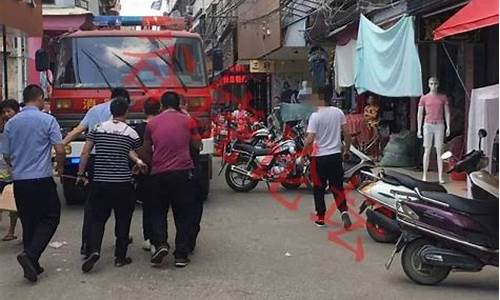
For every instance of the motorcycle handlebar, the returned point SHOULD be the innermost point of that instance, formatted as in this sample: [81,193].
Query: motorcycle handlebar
[469,163]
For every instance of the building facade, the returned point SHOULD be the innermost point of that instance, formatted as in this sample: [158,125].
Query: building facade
[18,20]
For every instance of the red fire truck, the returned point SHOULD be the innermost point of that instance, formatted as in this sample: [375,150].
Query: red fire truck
[121,52]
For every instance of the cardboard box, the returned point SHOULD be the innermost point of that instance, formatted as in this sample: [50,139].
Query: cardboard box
[7,201]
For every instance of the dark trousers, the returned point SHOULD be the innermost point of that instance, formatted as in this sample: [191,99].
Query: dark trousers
[39,211]
[173,189]
[325,170]
[87,209]
[106,197]
[144,192]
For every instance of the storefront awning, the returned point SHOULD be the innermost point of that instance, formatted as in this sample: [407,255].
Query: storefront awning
[475,15]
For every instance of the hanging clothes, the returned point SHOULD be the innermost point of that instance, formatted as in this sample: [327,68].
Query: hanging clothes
[343,65]
[318,65]
[387,61]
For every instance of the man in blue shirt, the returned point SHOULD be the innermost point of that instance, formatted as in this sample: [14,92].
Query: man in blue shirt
[30,136]
[96,115]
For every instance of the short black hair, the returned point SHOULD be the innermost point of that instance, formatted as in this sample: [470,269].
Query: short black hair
[119,106]
[322,93]
[151,108]
[32,92]
[120,92]
[10,103]
[171,100]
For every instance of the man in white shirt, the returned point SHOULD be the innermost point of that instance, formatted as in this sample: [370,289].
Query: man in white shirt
[325,130]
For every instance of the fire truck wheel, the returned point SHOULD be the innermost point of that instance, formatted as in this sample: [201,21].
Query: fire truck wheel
[72,193]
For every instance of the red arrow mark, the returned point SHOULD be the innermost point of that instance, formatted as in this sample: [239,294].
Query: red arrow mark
[357,250]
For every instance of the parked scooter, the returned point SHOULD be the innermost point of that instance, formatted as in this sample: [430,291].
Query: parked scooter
[380,201]
[443,232]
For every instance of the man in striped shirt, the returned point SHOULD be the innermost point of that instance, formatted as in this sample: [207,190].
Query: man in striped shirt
[112,189]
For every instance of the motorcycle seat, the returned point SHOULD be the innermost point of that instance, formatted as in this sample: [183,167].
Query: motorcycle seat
[250,148]
[471,206]
[393,177]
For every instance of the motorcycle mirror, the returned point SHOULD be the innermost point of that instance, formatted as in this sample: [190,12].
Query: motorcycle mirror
[446,155]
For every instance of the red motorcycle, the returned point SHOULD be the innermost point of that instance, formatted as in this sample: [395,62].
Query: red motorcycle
[277,161]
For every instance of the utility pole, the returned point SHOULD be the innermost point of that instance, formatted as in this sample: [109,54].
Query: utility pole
[4,55]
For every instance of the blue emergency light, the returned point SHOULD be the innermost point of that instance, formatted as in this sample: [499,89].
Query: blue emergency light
[164,21]
[117,21]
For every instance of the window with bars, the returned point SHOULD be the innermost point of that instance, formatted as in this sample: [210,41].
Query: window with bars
[82,3]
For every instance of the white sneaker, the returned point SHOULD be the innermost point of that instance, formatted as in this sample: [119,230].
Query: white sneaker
[146,246]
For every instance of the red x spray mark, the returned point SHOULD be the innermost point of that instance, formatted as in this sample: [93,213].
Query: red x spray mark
[292,204]
[334,236]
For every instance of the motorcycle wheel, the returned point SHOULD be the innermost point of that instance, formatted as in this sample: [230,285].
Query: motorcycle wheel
[237,182]
[380,234]
[416,270]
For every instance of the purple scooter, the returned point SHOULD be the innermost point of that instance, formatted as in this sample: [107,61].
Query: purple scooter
[443,232]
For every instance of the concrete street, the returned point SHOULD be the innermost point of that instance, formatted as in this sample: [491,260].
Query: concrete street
[250,247]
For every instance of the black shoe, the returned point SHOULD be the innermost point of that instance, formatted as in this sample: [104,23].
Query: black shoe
[120,262]
[89,263]
[346,220]
[160,253]
[182,262]
[29,269]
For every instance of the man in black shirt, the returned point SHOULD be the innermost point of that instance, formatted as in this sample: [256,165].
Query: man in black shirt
[144,189]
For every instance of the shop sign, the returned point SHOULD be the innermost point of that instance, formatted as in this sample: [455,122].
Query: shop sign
[260,66]
[233,79]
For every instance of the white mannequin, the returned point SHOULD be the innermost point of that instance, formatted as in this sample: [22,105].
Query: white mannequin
[304,92]
[433,126]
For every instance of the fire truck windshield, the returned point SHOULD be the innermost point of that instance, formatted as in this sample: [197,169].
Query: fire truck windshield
[130,61]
